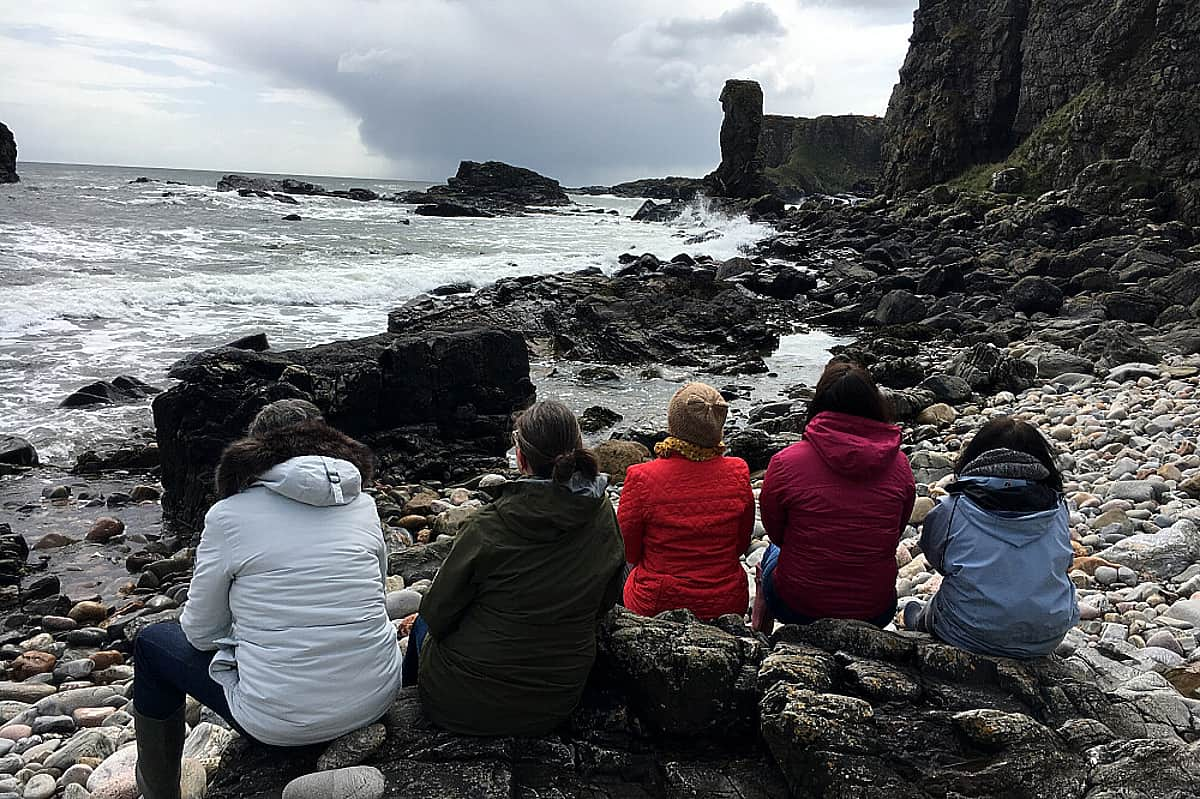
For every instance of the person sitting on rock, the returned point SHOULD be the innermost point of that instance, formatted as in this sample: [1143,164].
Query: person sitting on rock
[835,505]
[506,636]
[687,517]
[285,633]
[1002,541]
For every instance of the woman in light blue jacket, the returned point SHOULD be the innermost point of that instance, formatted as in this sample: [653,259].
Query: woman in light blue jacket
[1002,542]
[285,633]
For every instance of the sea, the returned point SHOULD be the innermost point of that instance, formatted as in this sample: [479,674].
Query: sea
[104,275]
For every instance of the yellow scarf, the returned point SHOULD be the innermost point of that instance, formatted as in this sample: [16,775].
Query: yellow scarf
[677,446]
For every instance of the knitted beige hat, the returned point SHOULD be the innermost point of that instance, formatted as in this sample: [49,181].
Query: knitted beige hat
[697,415]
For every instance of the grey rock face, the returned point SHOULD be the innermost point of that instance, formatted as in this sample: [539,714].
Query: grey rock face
[1096,97]
[8,156]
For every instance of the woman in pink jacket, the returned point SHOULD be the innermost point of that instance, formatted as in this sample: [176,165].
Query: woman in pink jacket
[834,506]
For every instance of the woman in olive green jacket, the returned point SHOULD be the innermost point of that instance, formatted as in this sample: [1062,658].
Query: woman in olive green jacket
[507,634]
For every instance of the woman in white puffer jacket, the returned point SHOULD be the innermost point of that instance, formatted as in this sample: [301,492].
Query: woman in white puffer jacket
[285,633]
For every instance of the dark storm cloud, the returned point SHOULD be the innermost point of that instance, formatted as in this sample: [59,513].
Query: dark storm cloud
[585,92]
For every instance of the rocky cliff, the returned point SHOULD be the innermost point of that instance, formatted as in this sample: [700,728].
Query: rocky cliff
[823,155]
[8,156]
[435,405]
[488,188]
[791,156]
[1068,94]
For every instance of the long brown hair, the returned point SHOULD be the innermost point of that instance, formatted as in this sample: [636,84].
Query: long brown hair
[548,435]
[848,388]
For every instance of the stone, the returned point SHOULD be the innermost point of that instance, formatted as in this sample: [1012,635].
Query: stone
[115,777]
[31,663]
[105,529]
[206,744]
[1137,490]
[358,782]
[921,509]
[41,786]
[54,541]
[25,692]
[8,156]
[14,450]
[1036,295]
[88,612]
[615,457]
[93,743]
[403,603]
[687,678]
[939,414]
[92,716]
[53,725]
[353,748]
[1162,554]
[484,371]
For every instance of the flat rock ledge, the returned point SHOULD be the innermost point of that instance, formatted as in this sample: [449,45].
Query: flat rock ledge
[836,710]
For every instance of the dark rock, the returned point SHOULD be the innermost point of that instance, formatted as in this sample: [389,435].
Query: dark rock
[450,289]
[672,188]
[947,388]
[596,418]
[138,456]
[740,172]
[900,307]
[489,188]
[430,404]
[651,211]
[120,390]
[636,319]
[285,186]
[8,156]
[447,208]
[16,451]
[291,218]
[1115,344]
[420,561]
[1036,295]
[685,678]
[987,369]
[255,341]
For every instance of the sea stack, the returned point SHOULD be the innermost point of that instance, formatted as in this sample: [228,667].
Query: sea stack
[740,172]
[8,156]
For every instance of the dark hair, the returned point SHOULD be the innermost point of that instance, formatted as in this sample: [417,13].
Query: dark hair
[549,438]
[848,388]
[1005,432]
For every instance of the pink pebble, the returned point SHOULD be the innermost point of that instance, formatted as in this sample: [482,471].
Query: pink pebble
[92,716]
[15,732]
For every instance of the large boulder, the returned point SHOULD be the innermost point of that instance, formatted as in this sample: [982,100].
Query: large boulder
[433,405]
[686,678]
[8,156]
[16,451]
[1160,555]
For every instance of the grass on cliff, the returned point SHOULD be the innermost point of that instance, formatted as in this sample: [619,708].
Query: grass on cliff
[1037,156]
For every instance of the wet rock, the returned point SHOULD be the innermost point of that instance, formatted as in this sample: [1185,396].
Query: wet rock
[16,451]
[120,390]
[353,748]
[597,418]
[105,529]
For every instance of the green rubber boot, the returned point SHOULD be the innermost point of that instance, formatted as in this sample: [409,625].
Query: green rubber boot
[160,754]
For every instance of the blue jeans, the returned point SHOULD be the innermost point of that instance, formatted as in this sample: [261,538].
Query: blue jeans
[779,608]
[167,668]
[412,655]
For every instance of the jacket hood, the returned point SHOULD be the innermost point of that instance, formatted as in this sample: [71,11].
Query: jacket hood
[1014,529]
[543,510]
[316,458]
[314,480]
[852,445]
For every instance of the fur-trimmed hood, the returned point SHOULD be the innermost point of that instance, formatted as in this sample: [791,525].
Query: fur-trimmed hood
[315,446]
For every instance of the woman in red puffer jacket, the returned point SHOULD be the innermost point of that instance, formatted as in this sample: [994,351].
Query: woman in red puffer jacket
[835,505]
[687,516]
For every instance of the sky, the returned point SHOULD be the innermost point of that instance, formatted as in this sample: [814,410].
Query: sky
[586,91]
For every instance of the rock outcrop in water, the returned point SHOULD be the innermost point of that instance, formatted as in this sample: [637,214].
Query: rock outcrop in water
[1098,97]
[792,156]
[491,187]
[676,313]
[436,405]
[671,188]
[283,189]
[8,156]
